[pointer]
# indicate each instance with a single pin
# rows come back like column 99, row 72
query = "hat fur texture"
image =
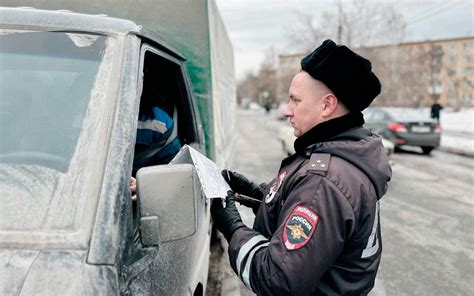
column 348, row 75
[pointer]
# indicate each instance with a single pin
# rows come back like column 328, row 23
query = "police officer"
column 317, row 228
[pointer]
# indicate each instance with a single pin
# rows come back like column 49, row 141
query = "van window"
column 166, row 120
column 53, row 88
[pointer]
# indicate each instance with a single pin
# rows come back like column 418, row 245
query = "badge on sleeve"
column 274, row 188
column 299, row 227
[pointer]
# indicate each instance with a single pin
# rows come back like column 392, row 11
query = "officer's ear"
column 330, row 102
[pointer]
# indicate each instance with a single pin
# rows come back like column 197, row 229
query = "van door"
column 167, row 120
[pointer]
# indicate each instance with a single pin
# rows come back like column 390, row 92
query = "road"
column 427, row 215
column 427, row 226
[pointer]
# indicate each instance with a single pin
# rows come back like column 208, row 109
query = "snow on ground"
column 458, row 121
column 457, row 144
column 458, row 130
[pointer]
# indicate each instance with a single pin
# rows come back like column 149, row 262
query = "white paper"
column 209, row 174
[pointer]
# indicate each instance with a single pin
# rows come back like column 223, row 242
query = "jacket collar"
column 328, row 129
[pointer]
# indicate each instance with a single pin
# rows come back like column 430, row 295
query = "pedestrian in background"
column 317, row 228
column 435, row 111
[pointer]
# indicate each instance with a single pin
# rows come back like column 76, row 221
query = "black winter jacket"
column 318, row 230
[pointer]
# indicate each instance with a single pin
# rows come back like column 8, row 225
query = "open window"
column 166, row 119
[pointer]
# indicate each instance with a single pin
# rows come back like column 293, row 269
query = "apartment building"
column 414, row 73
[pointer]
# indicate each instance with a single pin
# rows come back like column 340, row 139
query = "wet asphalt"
column 427, row 216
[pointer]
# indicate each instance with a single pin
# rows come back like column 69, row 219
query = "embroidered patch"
column 299, row 227
column 274, row 188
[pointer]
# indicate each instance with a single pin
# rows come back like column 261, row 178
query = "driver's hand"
column 133, row 185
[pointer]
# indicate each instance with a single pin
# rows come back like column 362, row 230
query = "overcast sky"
column 256, row 25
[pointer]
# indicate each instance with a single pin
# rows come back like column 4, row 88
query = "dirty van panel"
column 51, row 110
column 113, row 229
column 165, row 86
column 26, row 272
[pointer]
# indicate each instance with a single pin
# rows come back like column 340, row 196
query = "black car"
column 404, row 126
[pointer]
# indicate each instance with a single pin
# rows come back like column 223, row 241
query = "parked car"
column 254, row 106
column 404, row 126
column 388, row 146
column 244, row 104
column 281, row 111
column 287, row 139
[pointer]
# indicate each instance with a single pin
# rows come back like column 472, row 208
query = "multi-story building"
column 413, row 73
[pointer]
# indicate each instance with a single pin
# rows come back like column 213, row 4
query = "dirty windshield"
column 52, row 93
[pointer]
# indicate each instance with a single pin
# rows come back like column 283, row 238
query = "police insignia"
column 299, row 227
column 274, row 188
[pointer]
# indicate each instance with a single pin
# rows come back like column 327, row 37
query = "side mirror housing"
column 167, row 201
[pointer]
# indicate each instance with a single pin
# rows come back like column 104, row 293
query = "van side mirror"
column 167, row 201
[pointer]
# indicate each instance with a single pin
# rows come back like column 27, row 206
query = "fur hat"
column 345, row 73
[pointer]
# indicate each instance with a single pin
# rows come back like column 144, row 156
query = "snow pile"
column 461, row 121
column 458, row 130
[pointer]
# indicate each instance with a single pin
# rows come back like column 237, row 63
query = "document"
column 209, row 174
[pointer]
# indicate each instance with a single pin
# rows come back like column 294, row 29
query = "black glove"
column 227, row 220
column 240, row 184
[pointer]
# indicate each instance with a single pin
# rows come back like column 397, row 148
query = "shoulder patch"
column 275, row 186
column 299, row 227
column 319, row 162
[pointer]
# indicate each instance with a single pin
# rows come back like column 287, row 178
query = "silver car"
column 404, row 126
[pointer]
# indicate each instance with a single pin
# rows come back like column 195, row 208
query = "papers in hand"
column 209, row 174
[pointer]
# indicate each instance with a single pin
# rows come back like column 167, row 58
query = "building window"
column 451, row 59
column 468, row 71
column 436, row 66
column 451, row 97
column 451, row 85
column 436, row 60
column 452, row 46
column 469, row 58
column 437, row 50
column 467, row 97
column 468, row 44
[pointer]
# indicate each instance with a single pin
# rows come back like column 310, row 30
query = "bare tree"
column 247, row 87
column 305, row 33
column 358, row 23
column 412, row 87
column 420, row 69
column 263, row 86
column 410, row 74
column 267, row 79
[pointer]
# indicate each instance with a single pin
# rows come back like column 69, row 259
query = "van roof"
column 28, row 18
